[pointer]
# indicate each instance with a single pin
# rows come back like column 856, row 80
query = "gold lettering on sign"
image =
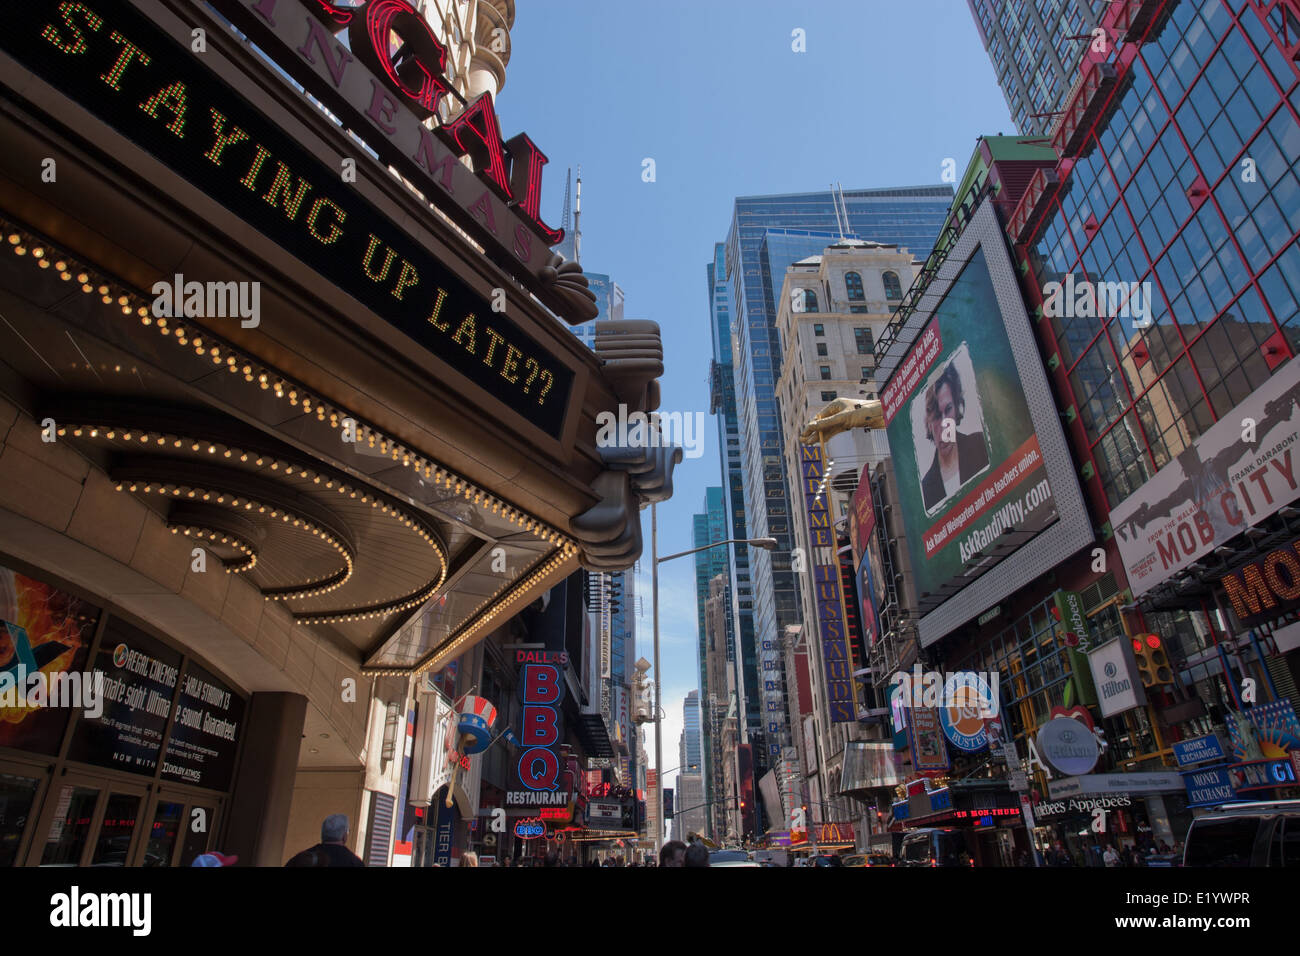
column 281, row 185
column 437, row 310
column 334, row 230
column 263, row 154
column 169, row 98
column 223, row 139
column 466, row 330
column 367, row 266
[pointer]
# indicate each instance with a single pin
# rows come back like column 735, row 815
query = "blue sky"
column 713, row 92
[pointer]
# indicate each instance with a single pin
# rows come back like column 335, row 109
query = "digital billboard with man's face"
column 970, row 470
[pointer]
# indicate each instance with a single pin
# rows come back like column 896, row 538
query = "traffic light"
column 668, row 803
column 1152, row 661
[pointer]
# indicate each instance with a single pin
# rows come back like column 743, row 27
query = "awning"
column 869, row 765
column 595, row 735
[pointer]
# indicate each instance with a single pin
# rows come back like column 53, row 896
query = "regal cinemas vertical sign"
column 824, row 567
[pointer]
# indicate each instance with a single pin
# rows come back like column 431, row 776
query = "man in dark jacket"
column 332, row 849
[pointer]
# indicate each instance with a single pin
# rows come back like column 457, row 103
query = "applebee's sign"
column 387, row 103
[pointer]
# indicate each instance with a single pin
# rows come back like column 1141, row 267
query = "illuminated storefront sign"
column 538, row 771
column 531, row 829
column 161, row 96
column 1261, row 775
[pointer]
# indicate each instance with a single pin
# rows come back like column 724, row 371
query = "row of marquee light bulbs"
column 131, row 303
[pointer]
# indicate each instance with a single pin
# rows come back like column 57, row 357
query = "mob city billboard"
column 1239, row 472
column 985, row 482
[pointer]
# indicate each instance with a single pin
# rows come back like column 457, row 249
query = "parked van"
column 1265, row 833
column 932, row 846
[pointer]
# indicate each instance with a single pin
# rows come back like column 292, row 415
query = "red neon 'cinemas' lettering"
column 476, row 132
column 420, row 77
column 526, row 162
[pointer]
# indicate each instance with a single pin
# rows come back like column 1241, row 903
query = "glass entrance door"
column 88, row 822
column 20, row 789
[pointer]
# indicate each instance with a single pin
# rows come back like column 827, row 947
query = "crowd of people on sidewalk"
column 1104, row 855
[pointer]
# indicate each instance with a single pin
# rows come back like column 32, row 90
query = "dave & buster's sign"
column 120, row 66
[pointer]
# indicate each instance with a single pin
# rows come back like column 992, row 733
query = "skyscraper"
column 1036, row 46
column 767, row 235
column 692, row 760
column 709, row 526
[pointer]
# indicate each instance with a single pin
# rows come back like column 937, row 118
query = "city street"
column 590, row 434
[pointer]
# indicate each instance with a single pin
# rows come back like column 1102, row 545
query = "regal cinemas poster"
column 968, row 463
column 1239, row 472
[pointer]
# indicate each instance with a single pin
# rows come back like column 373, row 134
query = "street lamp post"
column 767, row 544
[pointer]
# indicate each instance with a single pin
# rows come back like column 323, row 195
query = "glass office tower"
column 744, row 280
column 1036, row 47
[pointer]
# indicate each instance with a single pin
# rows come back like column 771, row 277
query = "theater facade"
column 290, row 415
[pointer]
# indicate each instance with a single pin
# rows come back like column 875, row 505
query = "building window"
column 863, row 338
column 862, row 309
column 853, row 285
column 867, row 371
column 821, row 349
column 819, row 330
column 893, row 288
column 826, row 373
column 828, row 396
column 809, row 300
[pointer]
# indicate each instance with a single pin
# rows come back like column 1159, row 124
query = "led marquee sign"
column 387, row 104
column 104, row 55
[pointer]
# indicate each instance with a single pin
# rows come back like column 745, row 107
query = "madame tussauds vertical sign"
column 824, row 567
column 117, row 64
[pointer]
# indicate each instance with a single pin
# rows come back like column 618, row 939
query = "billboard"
column 1234, row 476
column 985, row 481
column 866, row 557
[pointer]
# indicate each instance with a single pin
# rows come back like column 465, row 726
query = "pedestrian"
column 332, row 849
column 673, row 854
column 697, row 854
column 1111, row 856
column 469, row 858
column 552, row 858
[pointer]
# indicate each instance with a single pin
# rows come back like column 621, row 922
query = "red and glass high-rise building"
column 1161, row 255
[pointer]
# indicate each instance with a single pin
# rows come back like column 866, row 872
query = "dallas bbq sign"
column 385, row 87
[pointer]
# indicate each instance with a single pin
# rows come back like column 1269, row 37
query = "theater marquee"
column 121, row 67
